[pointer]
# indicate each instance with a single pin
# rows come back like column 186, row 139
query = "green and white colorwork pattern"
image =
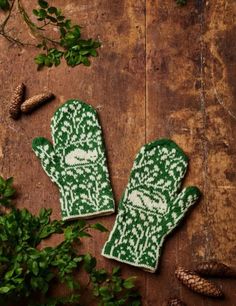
column 151, row 206
column 76, row 161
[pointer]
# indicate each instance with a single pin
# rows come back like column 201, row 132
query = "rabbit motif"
column 140, row 199
column 80, row 157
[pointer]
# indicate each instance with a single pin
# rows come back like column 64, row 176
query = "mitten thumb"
column 46, row 154
column 186, row 198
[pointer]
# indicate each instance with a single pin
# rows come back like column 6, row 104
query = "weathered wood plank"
column 114, row 84
column 182, row 104
column 169, row 72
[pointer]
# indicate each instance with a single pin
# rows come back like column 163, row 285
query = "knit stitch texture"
column 151, row 206
column 76, row 161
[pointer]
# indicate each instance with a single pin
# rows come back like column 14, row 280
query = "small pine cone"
column 215, row 269
column 175, row 302
column 35, row 101
column 197, row 284
column 16, row 101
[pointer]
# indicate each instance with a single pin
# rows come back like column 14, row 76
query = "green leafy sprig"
column 69, row 43
column 6, row 191
column 28, row 271
column 112, row 290
column 74, row 49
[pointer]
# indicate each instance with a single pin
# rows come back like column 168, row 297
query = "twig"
column 8, row 16
column 6, row 35
column 44, row 25
column 32, row 26
column 12, row 39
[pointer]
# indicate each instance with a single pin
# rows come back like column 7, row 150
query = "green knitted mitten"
column 151, row 206
column 76, row 161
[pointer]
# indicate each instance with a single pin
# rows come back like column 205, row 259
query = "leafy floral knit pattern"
column 151, row 205
column 76, row 161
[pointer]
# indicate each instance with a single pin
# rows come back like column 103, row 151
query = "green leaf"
column 68, row 24
column 62, row 31
column 47, row 231
column 93, row 52
column 105, row 292
column 9, row 181
column 84, row 234
column 129, row 282
column 52, row 10
column 39, row 59
column 116, row 271
column 35, row 268
column 8, row 275
column 89, row 263
column 42, row 13
column 44, row 215
column 35, row 12
column 76, row 31
column 4, row 5
column 99, row 227
column 58, row 12
column 5, row 289
column 43, row 3
column 68, row 233
column 70, row 36
column 99, row 276
column 8, row 192
column 84, row 52
column 85, row 61
column 48, row 62
column 52, row 58
column 2, row 182
column 78, row 259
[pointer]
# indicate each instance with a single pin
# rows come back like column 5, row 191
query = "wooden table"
column 163, row 71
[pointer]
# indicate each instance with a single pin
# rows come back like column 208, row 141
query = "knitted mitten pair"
column 151, row 205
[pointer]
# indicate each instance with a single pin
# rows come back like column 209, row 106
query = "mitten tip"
column 194, row 190
column 76, row 103
column 167, row 143
column 40, row 141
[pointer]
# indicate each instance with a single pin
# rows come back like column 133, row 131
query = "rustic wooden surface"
column 163, row 71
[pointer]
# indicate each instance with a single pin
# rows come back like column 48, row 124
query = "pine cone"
column 174, row 302
column 215, row 269
column 197, row 284
column 16, row 101
column 36, row 101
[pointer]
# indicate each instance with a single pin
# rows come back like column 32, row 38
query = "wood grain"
column 163, row 71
